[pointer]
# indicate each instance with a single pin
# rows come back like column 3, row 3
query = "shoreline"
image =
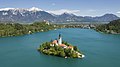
column 57, row 29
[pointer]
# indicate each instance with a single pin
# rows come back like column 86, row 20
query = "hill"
column 16, row 29
column 113, row 27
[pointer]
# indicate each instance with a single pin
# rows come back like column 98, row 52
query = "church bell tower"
column 60, row 39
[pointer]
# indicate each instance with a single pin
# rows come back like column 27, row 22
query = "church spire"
column 59, row 36
column 60, row 39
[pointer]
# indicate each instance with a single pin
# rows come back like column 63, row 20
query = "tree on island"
column 60, row 48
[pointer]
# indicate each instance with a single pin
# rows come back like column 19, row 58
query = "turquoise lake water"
column 101, row 50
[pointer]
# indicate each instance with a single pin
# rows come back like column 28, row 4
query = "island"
column 111, row 28
column 60, row 48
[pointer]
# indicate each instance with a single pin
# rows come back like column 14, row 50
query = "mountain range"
column 35, row 14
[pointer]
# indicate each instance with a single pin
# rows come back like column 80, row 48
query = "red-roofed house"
column 55, row 42
column 70, row 47
column 63, row 45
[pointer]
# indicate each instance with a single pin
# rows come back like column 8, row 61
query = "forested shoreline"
column 111, row 28
column 16, row 29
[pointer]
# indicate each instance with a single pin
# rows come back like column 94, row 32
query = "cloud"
column 58, row 12
column 118, row 12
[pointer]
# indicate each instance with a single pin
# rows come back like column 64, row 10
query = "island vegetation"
column 63, row 49
column 111, row 28
column 48, row 49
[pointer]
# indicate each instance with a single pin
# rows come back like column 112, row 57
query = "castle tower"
column 60, row 39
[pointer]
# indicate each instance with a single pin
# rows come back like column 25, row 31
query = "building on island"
column 60, row 39
column 55, row 42
column 57, row 45
column 63, row 45
column 58, row 42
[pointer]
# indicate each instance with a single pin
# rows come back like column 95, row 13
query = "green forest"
column 111, row 28
column 16, row 29
column 47, row 49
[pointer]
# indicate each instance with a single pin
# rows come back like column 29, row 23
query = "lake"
column 101, row 50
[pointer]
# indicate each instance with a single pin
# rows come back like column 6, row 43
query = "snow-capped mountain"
column 34, row 9
column 36, row 14
column 24, row 15
column 21, row 9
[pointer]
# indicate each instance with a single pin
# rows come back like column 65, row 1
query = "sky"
column 77, row 7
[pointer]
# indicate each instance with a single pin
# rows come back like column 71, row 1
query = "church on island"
column 60, row 48
column 59, row 43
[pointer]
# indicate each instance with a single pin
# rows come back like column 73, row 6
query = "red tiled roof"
column 70, row 47
column 54, row 42
column 63, row 45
